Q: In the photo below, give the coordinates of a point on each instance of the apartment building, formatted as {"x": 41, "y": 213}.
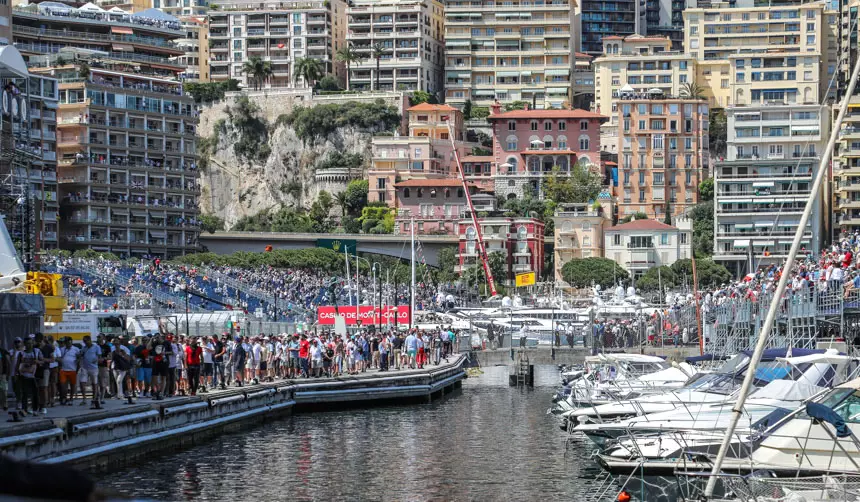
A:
{"x": 126, "y": 145}
{"x": 519, "y": 240}
{"x": 409, "y": 32}
{"x": 762, "y": 186}
{"x": 720, "y": 38}
{"x": 195, "y": 43}
{"x": 641, "y": 245}
{"x": 28, "y": 166}
{"x": 578, "y": 233}
{"x": 598, "y": 19}
{"x": 637, "y": 64}
{"x": 846, "y": 172}
{"x": 662, "y": 152}
{"x": 665, "y": 18}
{"x": 433, "y": 205}
{"x": 182, "y": 8}
{"x": 521, "y": 50}
{"x": 426, "y": 153}
{"x": 277, "y": 31}
{"x": 529, "y": 144}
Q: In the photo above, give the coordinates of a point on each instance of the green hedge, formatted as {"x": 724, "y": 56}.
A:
{"x": 312, "y": 258}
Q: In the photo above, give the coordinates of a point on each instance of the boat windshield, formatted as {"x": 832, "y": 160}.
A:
{"x": 845, "y": 402}
{"x": 717, "y": 383}
{"x": 644, "y": 368}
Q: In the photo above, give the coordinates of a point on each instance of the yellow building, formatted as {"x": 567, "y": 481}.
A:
{"x": 638, "y": 64}
{"x": 196, "y": 47}
{"x": 720, "y": 37}
{"x": 579, "y": 232}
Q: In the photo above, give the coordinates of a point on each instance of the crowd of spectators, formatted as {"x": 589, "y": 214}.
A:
{"x": 44, "y": 373}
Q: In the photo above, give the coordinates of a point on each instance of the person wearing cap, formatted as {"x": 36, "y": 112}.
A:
{"x": 218, "y": 357}
{"x": 122, "y": 365}
{"x": 237, "y": 361}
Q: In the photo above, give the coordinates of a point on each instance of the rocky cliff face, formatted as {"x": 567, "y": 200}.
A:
{"x": 234, "y": 186}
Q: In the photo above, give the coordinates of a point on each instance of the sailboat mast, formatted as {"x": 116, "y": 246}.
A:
{"x": 783, "y": 282}
{"x": 412, "y": 286}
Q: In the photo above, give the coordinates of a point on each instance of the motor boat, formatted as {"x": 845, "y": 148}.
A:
{"x": 770, "y": 436}
{"x": 817, "y": 372}
{"x": 610, "y": 377}
{"x": 702, "y": 390}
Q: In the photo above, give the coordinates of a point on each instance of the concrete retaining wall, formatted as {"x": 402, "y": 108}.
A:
{"x": 101, "y": 439}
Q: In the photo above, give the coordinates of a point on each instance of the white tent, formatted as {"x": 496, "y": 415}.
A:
{"x": 627, "y": 88}
{"x": 90, "y": 7}
{"x": 12, "y": 65}
{"x": 55, "y": 6}
{"x": 117, "y": 10}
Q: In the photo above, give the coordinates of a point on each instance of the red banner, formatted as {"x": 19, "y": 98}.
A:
{"x": 367, "y": 315}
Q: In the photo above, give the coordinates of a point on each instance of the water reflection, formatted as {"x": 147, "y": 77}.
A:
{"x": 489, "y": 441}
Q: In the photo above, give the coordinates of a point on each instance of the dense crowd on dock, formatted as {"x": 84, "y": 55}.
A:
{"x": 43, "y": 372}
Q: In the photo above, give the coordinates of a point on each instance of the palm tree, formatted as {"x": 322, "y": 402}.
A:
{"x": 377, "y": 50}
{"x": 309, "y": 69}
{"x": 692, "y": 90}
{"x": 342, "y": 201}
{"x": 265, "y": 72}
{"x": 349, "y": 55}
{"x": 252, "y": 68}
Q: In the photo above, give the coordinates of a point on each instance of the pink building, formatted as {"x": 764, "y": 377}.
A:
{"x": 527, "y": 144}
{"x": 426, "y": 153}
{"x": 434, "y": 205}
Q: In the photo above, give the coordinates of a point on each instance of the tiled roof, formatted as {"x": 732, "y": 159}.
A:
{"x": 427, "y": 107}
{"x": 440, "y": 183}
{"x": 478, "y": 158}
{"x": 547, "y": 114}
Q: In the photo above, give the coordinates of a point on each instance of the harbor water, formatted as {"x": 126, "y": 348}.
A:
{"x": 488, "y": 441}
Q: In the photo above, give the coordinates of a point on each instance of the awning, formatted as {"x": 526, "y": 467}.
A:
{"x": 512, "y": 43}
{"x": 805, "y": 128}
{"x": 157, "y": 234}
{"x": 763, "y": 224}
{"x": 741, "y": 243}
{"x": 762, "y": 244}
{"x": 507, "y": 74}
{"x": 457, "y": 42}
{"x": 484, "y": 93}
{"x": 525, "y": 73}
{"x": 513, "y": 14}
{"x": 51, "y": 105}
{"x": 741, "y": 201}
{"x": 455, "y": 74}
{"x": 763, "y": 184}
{"x": 123, "y": 47}
{"x": 557, "y": 72}
{"x": 557, "y": 90}
{"x": 121, "y": 30}
{"x": 488, "y": 44}
{"x": 744, "y": 226}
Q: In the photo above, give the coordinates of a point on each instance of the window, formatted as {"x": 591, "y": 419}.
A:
{"x": 657, "y": 109}
{"x": 657, "y": 141}
{"x": 583, "y": 143}
{"x": 664, "y": 239}
{"x": 511, "y": 143}
{"x": 562, "y": 125}
{"x": 643, "y": 109}
{"x": 547, "y": 126}
{"x": 583, "y": 125}
{"x": 683, "y": 237}
{"x": 512, "y": 125}
{"x": 810, "y": 39}
{"x": 562, "y": 142}
{"x": 534, "y": 125}
{"x": 642, "y": 125}
{"x": 688, "y": 143}
{"x": 406, "y": 193}
{"x": 547, "y": 142}
{"x": 616, "y": 239}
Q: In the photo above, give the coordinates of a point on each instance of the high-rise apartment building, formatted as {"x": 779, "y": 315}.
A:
{"x": 637, "y": 64}
{"x": 126, "y": 144}
{"x": 597, "y": 19}
{"x": 409, "y": 33}
{"x": 28, "y": 164}
{"x": 277, "y": 31}
{"x": 846, "y": 171}
{"x": 666, "y": 18}
{"x": 762, "y": 186}
{"x": 662, "y": 154}
{"x": 763, "y": 41}
{"x": 511, "y": 51}
{"x": 195, "y": 43}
